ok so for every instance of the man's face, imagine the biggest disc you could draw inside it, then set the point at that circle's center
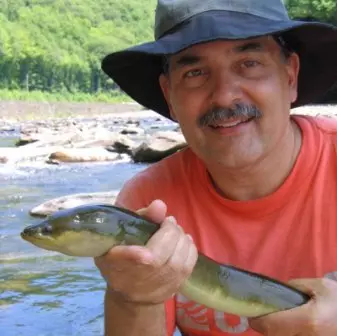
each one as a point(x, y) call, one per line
point(222, 75)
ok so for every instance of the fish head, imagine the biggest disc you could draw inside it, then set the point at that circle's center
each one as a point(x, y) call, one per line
point(78, 231)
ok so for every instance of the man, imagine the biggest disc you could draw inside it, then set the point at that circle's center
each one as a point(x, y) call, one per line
point(255, 188)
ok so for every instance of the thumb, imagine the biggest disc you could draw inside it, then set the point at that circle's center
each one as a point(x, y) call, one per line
point(294, 318)
point(156, 211)
point(313, 287)
point(284, 322)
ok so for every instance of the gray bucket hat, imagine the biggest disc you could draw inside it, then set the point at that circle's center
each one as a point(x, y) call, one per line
point(180, 24)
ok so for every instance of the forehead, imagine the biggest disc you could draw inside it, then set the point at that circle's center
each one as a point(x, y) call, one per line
point(265, 44)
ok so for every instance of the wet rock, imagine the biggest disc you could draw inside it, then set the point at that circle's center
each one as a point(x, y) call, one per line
point(132, 122)
point(93, 154)
point(5, 153)
point(7, 128)
point(132, 130)
point(96, 138)
point(46, 138)
point(3, 159)
point(73, 200)
point(158, 146)
point(25, 140)
point(20, 154)
point(122, 145)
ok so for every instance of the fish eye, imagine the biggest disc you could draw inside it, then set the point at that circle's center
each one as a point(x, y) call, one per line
point(47, 230)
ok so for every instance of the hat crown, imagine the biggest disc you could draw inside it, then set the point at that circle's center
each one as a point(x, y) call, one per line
point(170, 13)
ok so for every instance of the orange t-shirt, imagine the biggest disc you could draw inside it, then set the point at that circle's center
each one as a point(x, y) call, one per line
point(291, 233)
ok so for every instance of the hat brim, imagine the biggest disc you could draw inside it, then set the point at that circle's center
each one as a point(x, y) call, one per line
point(136, 70)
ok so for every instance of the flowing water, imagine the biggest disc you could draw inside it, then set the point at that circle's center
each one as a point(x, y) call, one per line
point(44, 293)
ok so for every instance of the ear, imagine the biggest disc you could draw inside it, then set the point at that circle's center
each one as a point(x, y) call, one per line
point(293, 68)
point(164, 83)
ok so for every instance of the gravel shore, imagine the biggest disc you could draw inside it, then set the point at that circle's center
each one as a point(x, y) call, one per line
point(21, 111)
point(16, 111)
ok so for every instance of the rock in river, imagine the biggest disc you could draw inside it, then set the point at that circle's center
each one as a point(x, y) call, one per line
point(72, 200)
point(92, 154)
point(158, 146)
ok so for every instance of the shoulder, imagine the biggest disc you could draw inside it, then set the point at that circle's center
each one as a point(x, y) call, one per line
point(324, 124)
point(156, 181)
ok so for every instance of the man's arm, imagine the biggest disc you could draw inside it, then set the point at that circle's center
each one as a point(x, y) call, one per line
point(315, 318)
point(128, 319)
point(142, 279)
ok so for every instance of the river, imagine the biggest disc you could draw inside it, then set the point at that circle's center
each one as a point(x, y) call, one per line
point(44, 293)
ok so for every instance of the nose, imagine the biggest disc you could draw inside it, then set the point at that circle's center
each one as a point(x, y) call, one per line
point(226, 89)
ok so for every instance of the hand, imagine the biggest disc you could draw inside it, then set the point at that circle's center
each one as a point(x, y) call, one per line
point(317, 317)
point(153, 273)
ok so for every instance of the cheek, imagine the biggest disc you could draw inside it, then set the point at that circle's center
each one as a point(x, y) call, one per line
point(187, 107)
point(271, 96)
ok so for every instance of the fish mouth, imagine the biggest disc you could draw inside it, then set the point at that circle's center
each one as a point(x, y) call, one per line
point(36, 233)
point(35, 236)
point(231, 122)
point(43, 229)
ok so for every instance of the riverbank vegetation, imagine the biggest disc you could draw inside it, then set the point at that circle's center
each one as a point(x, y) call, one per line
point(52, 49)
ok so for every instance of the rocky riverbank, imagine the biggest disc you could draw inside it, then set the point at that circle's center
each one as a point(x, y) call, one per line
point(126, 131)
point(122, 131)
point(109, 132)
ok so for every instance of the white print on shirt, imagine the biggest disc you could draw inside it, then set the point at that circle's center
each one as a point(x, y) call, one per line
point(191, 315)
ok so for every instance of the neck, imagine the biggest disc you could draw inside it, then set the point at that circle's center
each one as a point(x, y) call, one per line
point(263, 177)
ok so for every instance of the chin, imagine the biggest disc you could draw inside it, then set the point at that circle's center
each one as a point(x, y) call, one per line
point(238, 160)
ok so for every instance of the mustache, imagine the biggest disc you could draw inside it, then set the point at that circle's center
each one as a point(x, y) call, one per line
point(217, 114)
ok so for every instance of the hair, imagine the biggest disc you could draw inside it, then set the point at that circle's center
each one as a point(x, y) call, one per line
point(286, 50)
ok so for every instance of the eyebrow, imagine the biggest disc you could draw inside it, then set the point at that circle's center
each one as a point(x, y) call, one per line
point(186, 60)
point(249, 46)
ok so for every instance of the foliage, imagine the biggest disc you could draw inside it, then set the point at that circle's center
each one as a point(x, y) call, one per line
point(45, 96)
point(54, 48)
point(57, 45)
point(323, 10)
point(316, 10)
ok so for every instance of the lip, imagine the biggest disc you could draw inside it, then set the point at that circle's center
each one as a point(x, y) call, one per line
point(231, 130)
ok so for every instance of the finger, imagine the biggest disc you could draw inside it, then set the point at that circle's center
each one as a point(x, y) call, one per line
point(181, 252)
point(156, 211)
point(163, 243)
point(120, 255)
point(314, 287)
point(192, 256)
point(289, 322)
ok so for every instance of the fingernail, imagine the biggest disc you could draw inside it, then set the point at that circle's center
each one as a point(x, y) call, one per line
point(190, 237)
point(171, 219)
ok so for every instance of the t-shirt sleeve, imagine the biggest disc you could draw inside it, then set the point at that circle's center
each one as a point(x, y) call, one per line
point(134, 195)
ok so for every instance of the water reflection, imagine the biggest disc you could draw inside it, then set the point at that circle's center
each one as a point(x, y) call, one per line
point(44, 293)
point(51, 289)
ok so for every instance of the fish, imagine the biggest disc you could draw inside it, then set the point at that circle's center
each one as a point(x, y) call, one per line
point(91, 230)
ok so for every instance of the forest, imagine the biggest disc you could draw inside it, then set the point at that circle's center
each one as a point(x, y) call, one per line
point(56, 46)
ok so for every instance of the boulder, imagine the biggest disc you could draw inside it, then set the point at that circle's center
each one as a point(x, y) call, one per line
point(72, 200)
point(121, 145)
point(93, 154)
point(20, 154)
point(158, 146)
point(7, 128)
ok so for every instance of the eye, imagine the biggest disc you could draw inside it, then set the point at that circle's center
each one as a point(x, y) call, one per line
point(194, 73)
point(47, 230)
point(250, 64)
